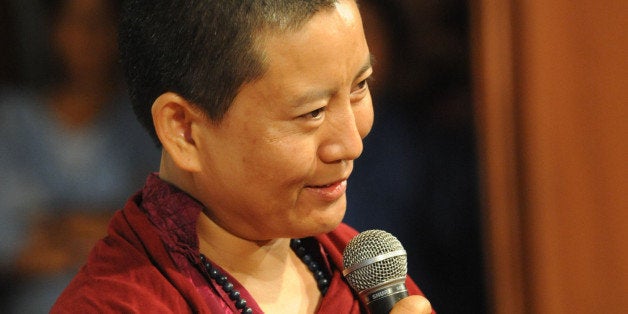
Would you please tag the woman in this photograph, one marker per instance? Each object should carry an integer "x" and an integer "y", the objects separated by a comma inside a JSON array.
[{"x": 260, "y": 109}]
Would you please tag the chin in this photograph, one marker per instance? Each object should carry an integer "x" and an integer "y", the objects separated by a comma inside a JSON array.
[
  {"x": 325, "y": 224},
  {"x": 319, "y": 221},
  {"x": 334, "y": 216},
  {"x": 320, "y": 229}
]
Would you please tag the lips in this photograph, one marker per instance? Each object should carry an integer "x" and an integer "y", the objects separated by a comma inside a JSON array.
[
  {"x": 323, "y": 186},
  {"x": 329, "y": 192}
]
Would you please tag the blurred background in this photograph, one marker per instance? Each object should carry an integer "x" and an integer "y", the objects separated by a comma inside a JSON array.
[
  {"x": 71, "y": 151},
  {"x": 498, "y": 155}
]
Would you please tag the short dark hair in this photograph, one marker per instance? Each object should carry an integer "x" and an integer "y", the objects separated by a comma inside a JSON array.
[{"x": 203, "y": 50}]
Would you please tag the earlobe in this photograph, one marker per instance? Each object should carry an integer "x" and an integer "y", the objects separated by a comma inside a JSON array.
[{"x": 174, "y": 118}]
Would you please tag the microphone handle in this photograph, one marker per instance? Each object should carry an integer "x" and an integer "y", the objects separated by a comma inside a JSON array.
[{"x": 383, "y": 299}]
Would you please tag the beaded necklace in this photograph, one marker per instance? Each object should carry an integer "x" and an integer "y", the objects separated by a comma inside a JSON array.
[{"x": 297, "y": 245}]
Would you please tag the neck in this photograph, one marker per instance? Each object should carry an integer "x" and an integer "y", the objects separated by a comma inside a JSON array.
[
  {"x": 242, "y": 257},
  {"x": 234, "y": 253},
  {"x": 269, "y": 270}
]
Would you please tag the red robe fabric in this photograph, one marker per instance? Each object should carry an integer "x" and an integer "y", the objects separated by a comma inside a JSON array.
[{"x": 149, "y": 263}]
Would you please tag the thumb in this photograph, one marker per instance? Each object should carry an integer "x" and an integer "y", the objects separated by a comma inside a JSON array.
[{"x": 414, "y": 304}]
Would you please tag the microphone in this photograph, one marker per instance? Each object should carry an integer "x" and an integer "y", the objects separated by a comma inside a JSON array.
[{"x": 375, "y": 265}]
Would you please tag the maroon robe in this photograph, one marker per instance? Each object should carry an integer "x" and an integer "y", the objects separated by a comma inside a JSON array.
[{"x": 149, "y": 263}]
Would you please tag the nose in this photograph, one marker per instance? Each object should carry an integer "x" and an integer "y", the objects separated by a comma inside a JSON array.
[{"x": 343, "y": 134}]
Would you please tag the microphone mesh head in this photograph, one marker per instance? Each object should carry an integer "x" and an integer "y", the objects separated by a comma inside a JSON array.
[{"x": 367, "y": 245}]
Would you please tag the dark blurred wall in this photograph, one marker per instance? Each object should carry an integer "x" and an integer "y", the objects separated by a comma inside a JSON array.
[
  {"x": 417, "y": 177},
  {"x": 24, "y": 51},
  {"x": 8, "y": 53}
]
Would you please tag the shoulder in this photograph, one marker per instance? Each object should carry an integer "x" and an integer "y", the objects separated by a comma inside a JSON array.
[
  {"x": 134, "y": 292},
  {"x": 130, "y": 288},
  {"x": 120, "y": 277}
]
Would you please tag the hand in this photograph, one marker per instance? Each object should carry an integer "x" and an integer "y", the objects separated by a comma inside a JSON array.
[{"x": 414, "y": 304}]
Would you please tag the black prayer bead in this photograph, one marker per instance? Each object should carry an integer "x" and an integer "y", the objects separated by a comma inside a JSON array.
[
  {"x": 222, "y": 280},
  {"x": 240, "y": 304},
  {"x": 300, "y": 251},
  {"x": 234, "y": 295},
  {"x": 313, "y": 266},
  {"x": 323, "y": 282},
  {"x": 227, "y": 286},
  {"x": 307, "y": 259},
  {"x": 319, "y": 274},
  {"x": 214, "y": 273}
]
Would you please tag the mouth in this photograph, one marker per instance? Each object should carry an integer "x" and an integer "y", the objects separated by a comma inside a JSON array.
[
  {"x": 322, "y": 186},
  {"x": 329, "y": 192},
  {"x": 342, "y": 180}
]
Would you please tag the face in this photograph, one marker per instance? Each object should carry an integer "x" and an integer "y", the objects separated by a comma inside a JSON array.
[{"x": 277, "y": 164}]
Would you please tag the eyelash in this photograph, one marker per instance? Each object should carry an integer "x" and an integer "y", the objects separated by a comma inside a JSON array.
[
  {"x": 361, "y": 89},
  {"x": 315, "y": 114},
  {"x": 362, "y": 85}
]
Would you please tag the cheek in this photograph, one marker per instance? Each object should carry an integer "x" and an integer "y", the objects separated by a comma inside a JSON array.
[{"x": 279, "y": 161}]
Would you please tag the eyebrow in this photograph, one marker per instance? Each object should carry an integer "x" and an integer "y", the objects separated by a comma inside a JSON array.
[
  {"x": 366, "y": 66},
  {"x": 318, "y": 94}
]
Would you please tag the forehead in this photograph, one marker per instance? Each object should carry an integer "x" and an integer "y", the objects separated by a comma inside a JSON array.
[
  {"x": 343, "y": 10},
  {"x": 331, "y": 43}
]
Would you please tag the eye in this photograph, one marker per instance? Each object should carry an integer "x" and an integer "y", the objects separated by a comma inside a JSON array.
[
  {"x": 360, "y": 90},
  {"x": 315, "y": 114},
  {"x": 362, "y": 84}
]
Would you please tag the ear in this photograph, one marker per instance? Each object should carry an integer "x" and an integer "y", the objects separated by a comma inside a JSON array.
[{"x": 175, "y": 120}]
